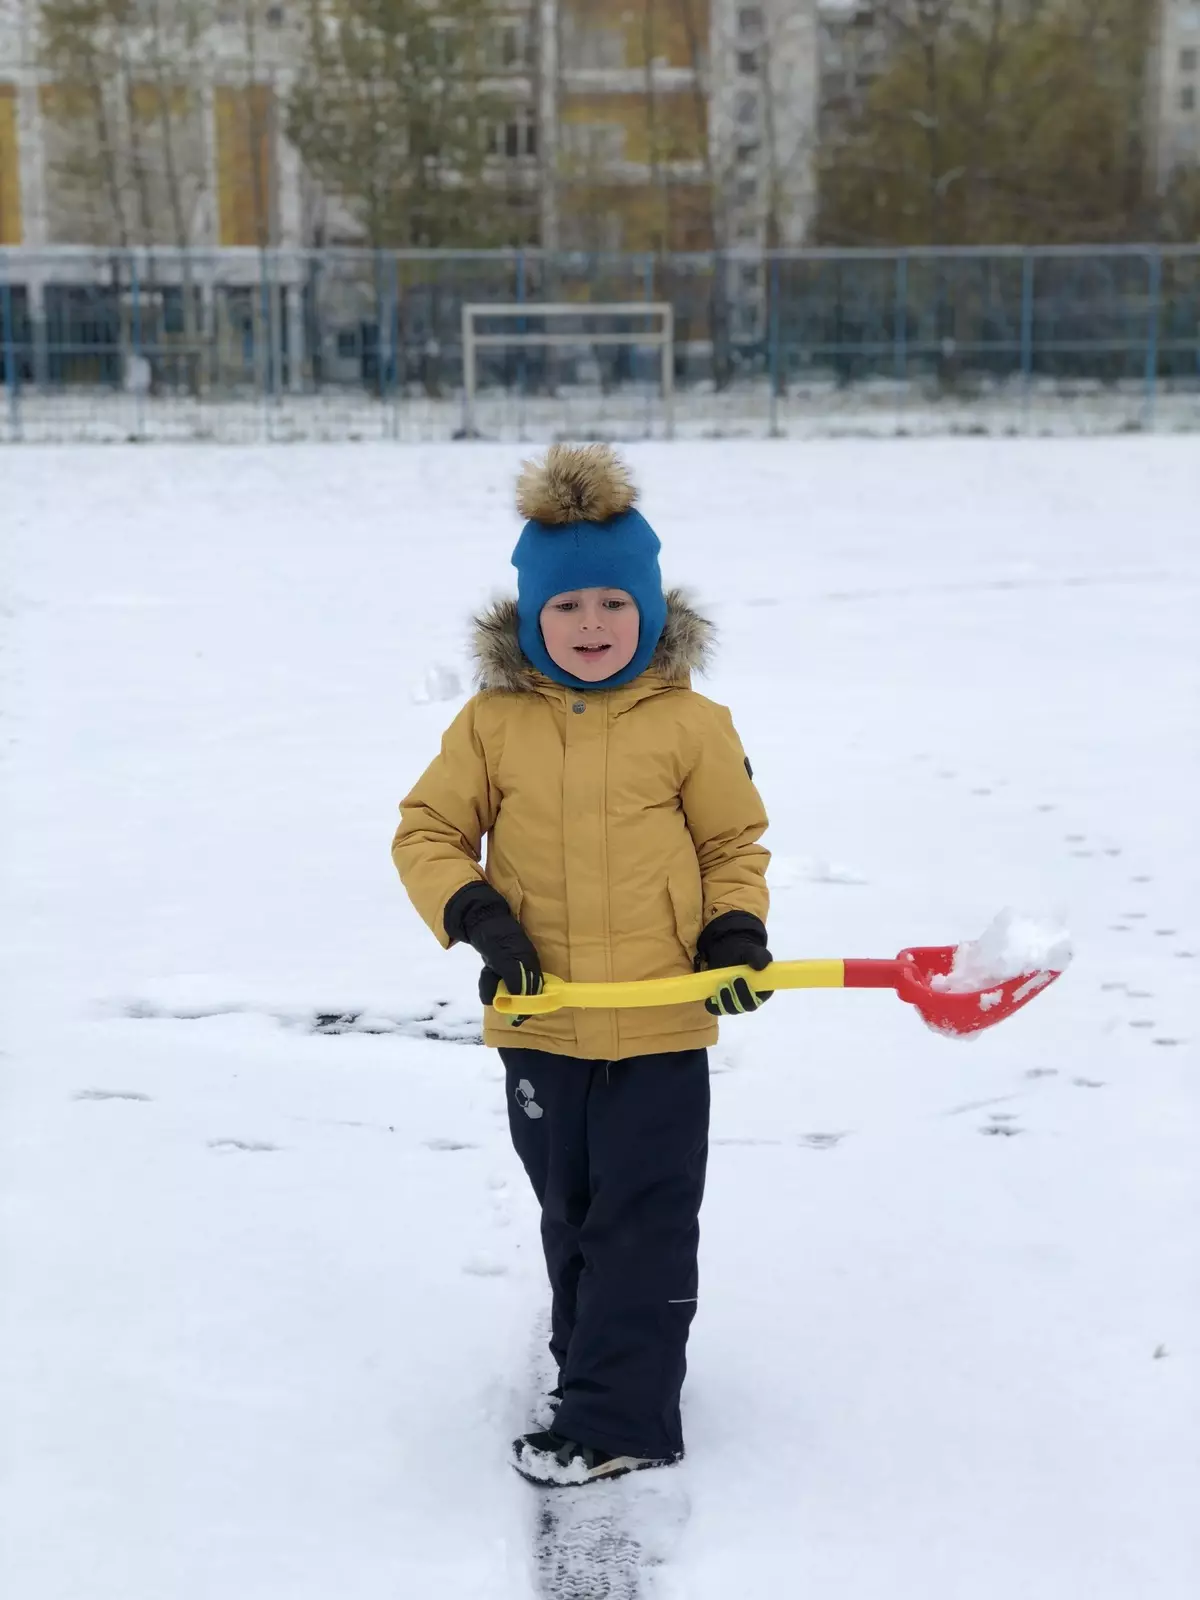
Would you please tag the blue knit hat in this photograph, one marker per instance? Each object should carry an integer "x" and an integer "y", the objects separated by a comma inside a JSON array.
[{"x": 583, "y": 533}]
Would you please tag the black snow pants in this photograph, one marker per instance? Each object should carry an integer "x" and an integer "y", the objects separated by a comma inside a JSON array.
[{"x": 616, "y": 1153}]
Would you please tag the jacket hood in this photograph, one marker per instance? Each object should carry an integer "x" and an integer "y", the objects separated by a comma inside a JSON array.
[{"x": 686, "y": 646}]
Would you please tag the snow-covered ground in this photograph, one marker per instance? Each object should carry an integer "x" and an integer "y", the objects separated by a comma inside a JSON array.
[{"x": 270, "y": 1282}]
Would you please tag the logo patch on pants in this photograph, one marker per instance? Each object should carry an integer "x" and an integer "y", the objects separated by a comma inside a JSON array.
[{"x": 525, "y": 1092}]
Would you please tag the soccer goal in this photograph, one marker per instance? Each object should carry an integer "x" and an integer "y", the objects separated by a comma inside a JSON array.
[{"x": 559, "y": 327}]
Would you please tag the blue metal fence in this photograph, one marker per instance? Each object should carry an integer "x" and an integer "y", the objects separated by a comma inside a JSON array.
[{"x": 245, "y": 344}]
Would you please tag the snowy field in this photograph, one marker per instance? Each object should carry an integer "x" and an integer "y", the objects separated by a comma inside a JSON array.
[{"x": 270, "y": 1282}]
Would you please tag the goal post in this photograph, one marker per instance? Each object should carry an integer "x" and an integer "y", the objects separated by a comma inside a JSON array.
[{"x": 659, "y": 334}]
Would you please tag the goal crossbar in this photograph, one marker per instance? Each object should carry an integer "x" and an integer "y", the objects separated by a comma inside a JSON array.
[{"x": 661, "y": 337}]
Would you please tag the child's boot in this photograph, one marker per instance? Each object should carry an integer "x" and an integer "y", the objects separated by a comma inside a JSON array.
[{"x": 553, "y": 1462}]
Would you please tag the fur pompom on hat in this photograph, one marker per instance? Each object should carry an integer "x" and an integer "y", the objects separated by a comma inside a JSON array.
[
  {"x": 575, "y": 483},
  {"x": 583, "y": 532}
]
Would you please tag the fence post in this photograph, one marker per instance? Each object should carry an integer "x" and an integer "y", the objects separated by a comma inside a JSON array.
[
  {"x": 648, "y": 297},
  {"x": 265, "y": 336},
  {"x": 1154, "y": 296},
  {"x": 395, "y": 340},
  {"x": 135, "y": 292},
  {"x": 10, "y": 351},
  {"x": 773, "y": 351},
  {"x": 276, "y": 327},
  {"x": 1027, "y": 331},
  {"x": 383, "y": 326},
  {"x": 900, "y": 329},
  {"x": 468, "y": 361},
  {"x": 522, "y": 327}
]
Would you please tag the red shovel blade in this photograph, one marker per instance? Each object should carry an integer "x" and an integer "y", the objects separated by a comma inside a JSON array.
[{"x": 962, "y": 1014}]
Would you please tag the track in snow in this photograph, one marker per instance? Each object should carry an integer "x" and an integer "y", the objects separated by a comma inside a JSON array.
[{"x": 604, "y": 1541}]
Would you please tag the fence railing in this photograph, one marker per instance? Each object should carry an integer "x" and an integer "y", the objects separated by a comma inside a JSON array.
[{"x": 247, "y": 344}]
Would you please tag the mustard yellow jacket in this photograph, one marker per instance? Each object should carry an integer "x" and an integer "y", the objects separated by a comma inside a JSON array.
[{"x": 618, "y": 823}]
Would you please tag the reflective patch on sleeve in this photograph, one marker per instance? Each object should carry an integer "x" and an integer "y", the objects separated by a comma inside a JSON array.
[{"x": 749, "y": 768}]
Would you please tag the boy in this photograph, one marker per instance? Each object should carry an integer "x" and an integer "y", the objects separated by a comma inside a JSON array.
[{"x": 622, "y": 826}]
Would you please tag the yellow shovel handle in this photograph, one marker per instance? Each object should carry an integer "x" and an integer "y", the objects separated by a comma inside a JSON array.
[{"x": 559, "y": 994}]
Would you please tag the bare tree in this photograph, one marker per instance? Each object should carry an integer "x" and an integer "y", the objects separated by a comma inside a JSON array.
[
  {"x": 390, "y": 113},
  {"x": 994, "y": 121},
  {"x": 124, "y": 109},
  {"x": 125, "y": 169}
]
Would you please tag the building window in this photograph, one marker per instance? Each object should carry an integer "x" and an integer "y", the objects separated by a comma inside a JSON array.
[
  {"x": 1187, "y": 60},
  {"x": 747, "y": 108},
  {"x": 747, "y": 61},
  {"x": 591, "y": 43},
  {"x": 750, "y": 19},
  {"x": 747, "y": 190},
  {"x": 593, "y": 145},
  {"x": 513, "y": 139},
  {"x": 274, "y": 16},
  {"x": 1187, "y": 98},
  {"x": 517, "y": 45}
]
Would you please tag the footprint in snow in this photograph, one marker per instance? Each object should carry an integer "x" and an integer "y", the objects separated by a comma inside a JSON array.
[
  {"x": 1004, "y": 1130},
  {"x": 111, "y": 1094},
  {"x": 820, "y": 1141},
  {"x": 449, "y": 1144},
  {"x": 485, "y": 1267},
  {"x": 1042, "y": 1072},
  {"x": 252, "y": 1145},
  {"x": 1088, "y": 1083},
  {"x": 747, "y": 1141},
  {"x": 978, "y": 1105}
]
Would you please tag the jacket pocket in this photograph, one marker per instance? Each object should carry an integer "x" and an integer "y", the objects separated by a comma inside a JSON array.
[
  {"x": 683, "y": 885},
  {"x": 511, "y": 890}
]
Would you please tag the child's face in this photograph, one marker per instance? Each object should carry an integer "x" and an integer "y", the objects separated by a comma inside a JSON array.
[{"x": 591, "y": 633}]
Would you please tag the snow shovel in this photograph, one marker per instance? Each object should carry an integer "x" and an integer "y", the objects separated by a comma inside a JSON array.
[{"x": 919, "y": 976}]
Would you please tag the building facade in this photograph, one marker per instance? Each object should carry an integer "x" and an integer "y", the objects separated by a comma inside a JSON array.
[
  {"x": 1174, "y": 90},
  {"x": 631, "y": 125},
  {"x": 170, "y": 137}
]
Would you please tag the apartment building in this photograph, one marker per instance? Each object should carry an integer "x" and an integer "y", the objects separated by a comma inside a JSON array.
[
  {"x": 1174, "y": 89},
  {"x": 630, "y": 125},
  {"x": 181, "y": 146},
  {"x": 855, "y": 44},
  {"x": 683, "y": 124}
]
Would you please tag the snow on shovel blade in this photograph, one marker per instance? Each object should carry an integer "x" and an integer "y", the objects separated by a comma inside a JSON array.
[{"x": 962, "y": 1013}]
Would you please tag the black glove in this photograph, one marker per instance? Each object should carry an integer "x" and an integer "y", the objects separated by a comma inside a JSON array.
[
  {"x": 735, "y": 939},
  {"x": 479, "y": 916}
]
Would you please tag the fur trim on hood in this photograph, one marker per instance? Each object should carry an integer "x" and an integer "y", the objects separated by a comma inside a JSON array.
[
  {"x": 574, "y": 483},
  {"x": 686, "y": 646}
]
